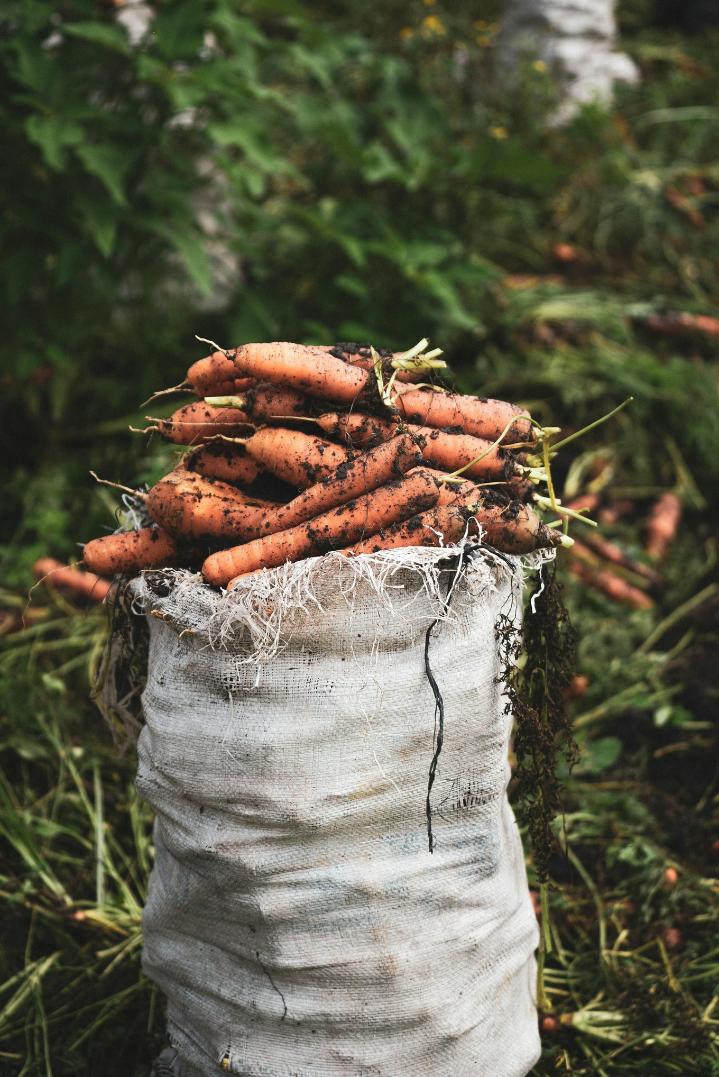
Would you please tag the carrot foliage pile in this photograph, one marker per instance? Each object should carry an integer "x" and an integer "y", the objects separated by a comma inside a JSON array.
[{"x": 289, "y": 451}]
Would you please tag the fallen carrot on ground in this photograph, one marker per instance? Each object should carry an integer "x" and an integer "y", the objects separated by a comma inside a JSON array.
[
  {"x": 663, "y": 524},
  {"x": 70, "y": 578},
  {"x": 611, "y": 585},
  {"x": 609, "y": 551}
]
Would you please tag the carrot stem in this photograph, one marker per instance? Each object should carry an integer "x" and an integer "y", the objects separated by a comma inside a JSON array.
[
  {"x": 226, "y": 401},
  {"x": 545, "y": 503},
  {"x": 591, "y": 426}
]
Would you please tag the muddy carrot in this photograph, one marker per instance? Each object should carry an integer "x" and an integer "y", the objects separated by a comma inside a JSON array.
[
  {"x": 264, "y": 401},
  {"x": 131, "y": 551},
  {"x": 478, "y": 458},
  {"x": 352, "y": 479},
  {"x": 506, "y": 525},
  {"x": 85, "y": 584},
  {"x": 331, "y": 530},
  {"x": 307, "y": 369},
  {"x": 187, "y": 504},
  {"x": 300, "y": 459},
  {"x": 221, "y": 460},
  {"x": 197, "y": 422},
  {"x": 478, "y": 416}
]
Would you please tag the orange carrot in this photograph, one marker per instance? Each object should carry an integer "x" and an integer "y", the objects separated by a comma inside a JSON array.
[
  {"x": 308, "y": 369},
  {"x": 220, "y": 460},
  {"x": 444, "y": 525},
  {"x": 611, "y": 585},
  {"x": 449, "y": 451},
  {"x": 85, "y": 584},
  {"x": 507, "y": 525},
  {"x": 663, "y": 524},
  {"x": 479, "y": 416},
  {"x": 265, "y": 401},
  {"x": 355, "y": 428},
  {"x": 131, "y": 551},
  {"x": 300, "y": 459},
  {"x": 609, "y": 551},
  {"x": 198, "y": 421},
  {"x": 187, "y": 504},
  {"x": 207, "y": 374},
  {"x": 352, "y": 479},
  {"x": 450, "y": 491},
  {"x": 331, "y": 530}
]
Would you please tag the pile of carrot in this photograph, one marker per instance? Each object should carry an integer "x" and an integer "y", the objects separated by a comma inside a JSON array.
[{"x": 289, "y": 451}]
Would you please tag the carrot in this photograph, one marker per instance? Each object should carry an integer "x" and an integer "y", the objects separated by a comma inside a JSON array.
[
  {"x": 577, "y": 687},
  {"x": 220, "y": 460},
  {"x": 351, "y": 479},
  {"x": 507, "y": 525},
  {"x": 450, "y": 491},
  {"x": 85, "y": 584},
  {"x": 611, "y": 585},
  {"x": 444, "y": 525},
  {"x": 198, "y": 421},
  {"x": 187, "y": 504},
  {"x": 265, "y": 401},
  {"x": 449, "y": 451},
  {"x": 308, "y": 369},
  {"x": 207, "y": 374},
  {"x": 662, "y": 525},
  {"x": 478, "y": 416},
  {"x": 331, "y": 530},
  {"x": 131, "y": 551},
  {"x": 609, "y": 551},
  {"x": 300, "y": 459},
  {"x": 355, "y": 428}
]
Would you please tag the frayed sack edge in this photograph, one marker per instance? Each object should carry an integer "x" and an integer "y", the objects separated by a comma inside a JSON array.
[{"x": 257, "y": 618}]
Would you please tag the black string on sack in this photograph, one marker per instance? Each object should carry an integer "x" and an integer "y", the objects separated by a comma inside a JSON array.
[{"x": 461, "y": 560}]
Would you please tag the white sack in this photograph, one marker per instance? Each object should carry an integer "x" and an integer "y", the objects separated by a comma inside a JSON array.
[{"x": 296, "y": 920}]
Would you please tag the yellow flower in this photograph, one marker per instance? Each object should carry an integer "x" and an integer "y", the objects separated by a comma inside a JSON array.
[
  {"x": 406, "y": 33},
  {"x": 499, "y": 133},
  {"x": 432, "y": 25},
  {"x": 429, "y": 3},
  {"x": 540, "y": 66},
  {"x": 483, "y": 41}
]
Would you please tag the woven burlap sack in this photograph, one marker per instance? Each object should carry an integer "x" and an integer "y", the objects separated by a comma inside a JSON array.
[{"x": 309, "y": 912}]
